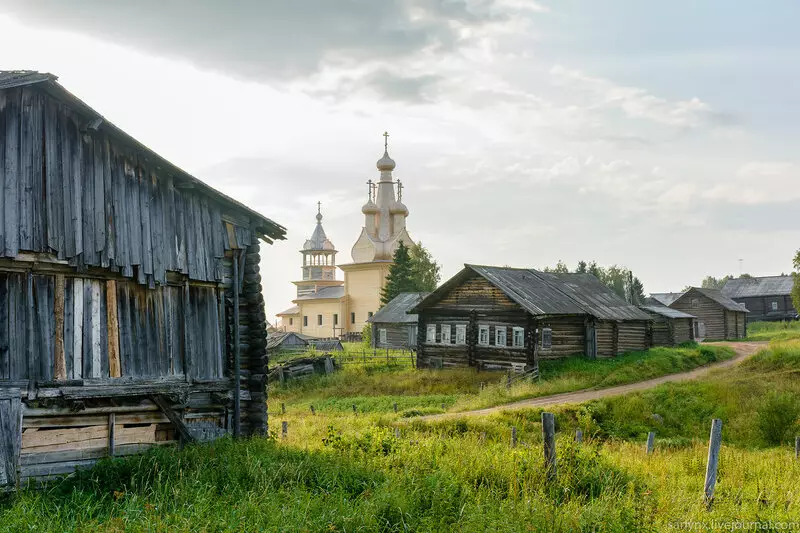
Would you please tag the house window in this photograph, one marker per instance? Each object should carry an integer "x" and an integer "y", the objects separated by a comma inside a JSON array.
[
  {"x": 518, "y": 337},
  {"x": 382, "y": 335},
  {"x": 547, "y": 338},
  {"x": 695, "y": 303},
  {"x": 500, "y": 336},
  {"x": 483, "y": 335},
  {"x": 774, "y": 306},
  {"x": 319, "y": 320},
  {"x": 305, "y": 320},
  {"x": 430, "y": 334},
  {"x": 461, "y": 334},
  {"x": 445, "y": 333},
  {"x": 291, "y": 321},
  {"x": 352, "y": 318},
  {"x": 335, "y": 319}
]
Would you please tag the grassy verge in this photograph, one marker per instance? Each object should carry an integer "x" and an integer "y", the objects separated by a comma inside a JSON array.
[{"x": 773, "y": 331}]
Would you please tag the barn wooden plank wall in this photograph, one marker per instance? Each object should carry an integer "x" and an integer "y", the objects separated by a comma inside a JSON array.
[{"x": 71, "y": 192}]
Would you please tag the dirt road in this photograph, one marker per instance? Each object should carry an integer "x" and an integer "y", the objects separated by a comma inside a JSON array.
[{"x": 743, "y": 351}]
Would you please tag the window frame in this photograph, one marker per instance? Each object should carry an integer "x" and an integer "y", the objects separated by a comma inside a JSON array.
[
  {"x": 695, "y": 303},
  {"x": 352, "y": 317},
  {"x": 319, "y": 320},
  {"x": 335, "y": 319},
  {"x": 497, "y": 331},
  {"x": 430, "y": 339},
  {"x": 547, "y": 332},
  {"x": 291, "y": 321},
  {"x": 483, "y": 328},
  {"x": 461, "y": 334},
  {"x": 305, "y": 321},
  {"x": 446, "y": 339},
  {"x": 774, "y": 305},
  {"x": 382, "y": 335},
  {"x": 514, "y": 331}
]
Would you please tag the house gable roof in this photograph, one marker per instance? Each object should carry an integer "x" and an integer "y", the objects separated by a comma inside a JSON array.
[
  {"x": 395, "y": 312},
  {"x": 716, "y": 296},
  {"x": 665, "y": 311},
  {"x": 755, "y": 287}
]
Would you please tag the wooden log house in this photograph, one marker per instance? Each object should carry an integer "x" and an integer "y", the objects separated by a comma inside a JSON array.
[
  {"x": 509, "y": 318},
  {"x": 131, "y": 312},
  {"x": 717, "y": 316},
  {"x": 668, "y": 327},
  {"x": 767, "y": 298},
  {"x": 392, "y": 326}
]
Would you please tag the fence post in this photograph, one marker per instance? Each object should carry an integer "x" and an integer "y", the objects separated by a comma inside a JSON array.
[
  {"x": 513, "y": 437},
  {"x": 797, "y": 447},
  {"x": 651, "y": 440},
  {"x": 283, "y": 408},
  {"x": 312, "y": 411},
  {"x": 284, "y": 429},
  {"x": 508, "y": 380},
  {"x": 397, "y": 433},
  {"x": 354, "y": 409},
  {"x": 395, "y": 407},
  {"x": 714, "y": 441},
  {"x": 549, "y": 438},
  {"x": 482, "y": 385},
  {"x": 444, "y": 408},
  {"x": 578, "y": 436}
]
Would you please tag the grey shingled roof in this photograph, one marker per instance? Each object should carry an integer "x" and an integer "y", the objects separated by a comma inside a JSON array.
[
  {"x": 754, "y": 287},
  {"x": 265, "y": 227},
  {"x": 547, "y": 294},
  {"x": 718, "y": 297},
  {"x": 666, "y": 298},
  {"x": 395, "y": 311},
  {"x": 293, "y": 310},
  {"x": 668, "y": 312},
  {"x": 336, "y": 291}
]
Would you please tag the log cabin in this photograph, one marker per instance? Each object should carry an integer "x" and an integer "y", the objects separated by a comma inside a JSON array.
[
  {"x": 668, "y": 327},
  {"x": 508, "y": 318},
  {"x": 768, "y": 298},
  {"x": 717, "y": 316},
  {"x": 392, "y": 326},
  {"x": 131, "y": 312}
]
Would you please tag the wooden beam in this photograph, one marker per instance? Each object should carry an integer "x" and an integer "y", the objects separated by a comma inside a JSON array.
[
  {"x": 174, "y": 417},
  {"x": 60, "y": 362},
  {"x": 114, "y": 366},
  {"x": 237, "y": 374}
]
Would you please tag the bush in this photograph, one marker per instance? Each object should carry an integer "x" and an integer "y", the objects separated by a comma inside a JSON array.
[
  {"x": 366, "y": 336},
  {"x": 777, "y": 417}
]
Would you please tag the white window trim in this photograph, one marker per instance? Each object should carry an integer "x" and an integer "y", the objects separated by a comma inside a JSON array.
[
  {"x": 461, "y": 333},
  {"x": 382, "y": 335},
  {"x": 498, "y": 330},
  {"x": 430, "y": 334},
  {"x": 774, "y": 305},
  {"x": 445, "y": 333},
  {"x": 481, "y": 330},
  {"x": 518, "y": 332}
]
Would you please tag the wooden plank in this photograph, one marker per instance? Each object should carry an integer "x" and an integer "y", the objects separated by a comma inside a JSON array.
[
  {"x": 114, "y": 368},
  {"x": 174, "y": 418},
  {"x": 27, "y": 136},
  {"x": 77, "y": 321},
  {"x": 80, "y": 420},
  {"x": 2, "y": 173},
  {"x": 96, "y": 347},
  {"x": 112, "y": 420},
  {"x": 237, "y": 375},
  {"x": 12, "y": 173},
  {"x": 60, "y": 363}
]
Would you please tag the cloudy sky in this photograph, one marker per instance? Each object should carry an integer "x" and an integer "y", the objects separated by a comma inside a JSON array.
[{"x": 658, "y": 135}]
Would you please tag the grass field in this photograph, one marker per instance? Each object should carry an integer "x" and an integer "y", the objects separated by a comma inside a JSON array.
[
  {"x": 773, "y": 331},
  {"x": 342, "y": 472}
]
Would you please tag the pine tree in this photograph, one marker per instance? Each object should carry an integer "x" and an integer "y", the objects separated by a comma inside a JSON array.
[{"x": 400, "y": 275}]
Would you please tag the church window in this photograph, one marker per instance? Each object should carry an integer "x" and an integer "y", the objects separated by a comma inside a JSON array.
[
  {"x": 430, "y": 334},
  {"x": 319, "y": 320},
  {"x": 445, "y": 333},
  {"x": 461, "y": 334},
  {"x": 382, "y": 335},
  {"x": 335, "y": 319},
  {"x": 483, "y": 335},
  {"x": 500, "y": 336},
  {"x": 518, "y": 338},
  {"x": 305, "y": 320},
  {"x": 352, "y": 318},
  {"x": 291, "y": 321}
]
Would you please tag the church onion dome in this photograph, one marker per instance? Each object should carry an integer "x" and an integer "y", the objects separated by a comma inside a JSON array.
[
  {"x": 370, "y": 208},
  {"x": 386, "y": 162},
  {"x": 398, "y": 208}
]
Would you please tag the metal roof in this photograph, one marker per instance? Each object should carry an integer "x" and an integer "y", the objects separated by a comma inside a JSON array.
[
  {"x": 668, "y": 312},
  {"x": 293, "y": 310},
  {"x": 717, "y": 296},
  {"x": 264, "y": 227},
  {"x": 335, "y": 291},
  {"x": 275, "y": 340},
  {"x": 547, "y": 294},
  {"x": 666, "y": 298},
  {"x": 395, "y": 312},
  {"x": 763, "y": 286}
]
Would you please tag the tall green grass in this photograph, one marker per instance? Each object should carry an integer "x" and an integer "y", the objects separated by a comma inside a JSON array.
[{"x": 777, "y": 331}]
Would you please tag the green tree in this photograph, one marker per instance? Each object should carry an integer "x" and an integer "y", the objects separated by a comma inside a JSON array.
[
  {"x": 617, "y": 278},
  {"x": 796, "y": 286},
  {"x": 425, "y": 272},
  {"x": 710, "y": 282},
  {"x": 560, "y": 268},
  {"x": 400, "y": 275}
]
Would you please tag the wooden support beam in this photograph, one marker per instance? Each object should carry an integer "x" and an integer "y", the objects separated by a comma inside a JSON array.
[
  {"x": 59, "y": 361},
  {"x": 237, "y": 373},
  {"x": 112, "y": 421},
  {"x": 114, "y": 366},
  {"x": 163, "y": 404}
]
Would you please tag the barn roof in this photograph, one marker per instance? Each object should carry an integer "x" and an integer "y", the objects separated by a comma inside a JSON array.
[
  {"x": 545, "y": 293},
  {"x": 264, "y": 227},
  {"x": 763, "y": 286},
  {"x": 717, "y": 296},
  {"x": 275, "y": 340},
  {"x": 665, "y": 298},
  {"x": 335, "y": 291},
  {"x": 396, "y": 310},
  {"x": 668, "y": 312},
  {"x": 328, "y": 345}
]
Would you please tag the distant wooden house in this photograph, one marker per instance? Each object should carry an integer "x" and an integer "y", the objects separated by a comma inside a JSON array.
[
  {"x": 131, "y": 310},
  {"x": 328, "y": 345},
  {"x": 665, "y": 298},
  {"x": 499, "y": 318},
  {"x": 393, "y": 326},
  {"x": 767, "y": 298},
  {"x": 717, "y": 316},
  {"x": 287, "y": 340},
  {"x": 669, "y": 327}
]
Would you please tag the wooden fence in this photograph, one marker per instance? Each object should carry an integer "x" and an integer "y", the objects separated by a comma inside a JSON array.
[{"x": 377, "y": 357}]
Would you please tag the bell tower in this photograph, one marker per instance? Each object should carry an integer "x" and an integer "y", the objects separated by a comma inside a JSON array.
[{"x": 319, "y": 261}]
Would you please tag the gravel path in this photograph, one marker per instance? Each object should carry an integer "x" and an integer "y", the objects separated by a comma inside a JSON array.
[{"x": 743, "y": 351}]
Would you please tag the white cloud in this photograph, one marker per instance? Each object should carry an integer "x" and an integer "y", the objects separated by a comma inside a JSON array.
[{"x": 759, "y": 182}]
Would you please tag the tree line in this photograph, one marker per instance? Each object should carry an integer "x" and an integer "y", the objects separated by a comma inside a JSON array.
[{"x": 617, "y": 278}]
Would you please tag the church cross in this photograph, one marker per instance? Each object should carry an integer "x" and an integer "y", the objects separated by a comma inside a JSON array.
[
  {"x": 319, "y": 208},
  {"x": 386, "y": 141},
  {"x": 369, "y": 189},
  {"x": 399, "y": 191}
]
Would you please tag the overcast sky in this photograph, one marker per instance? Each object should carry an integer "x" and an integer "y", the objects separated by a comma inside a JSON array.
[{"x": 658, "y": 135}]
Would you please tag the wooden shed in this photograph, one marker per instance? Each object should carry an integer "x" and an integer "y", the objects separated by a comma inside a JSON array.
[
  {"x": 717, "y": 316},
  {"x": 767, "y": 298},
  {"x": 131, "y": 312},
  {"x": 393, "y": 326},
  {"x": 669, "y": 327},
  {"x": 501, "y": 318}
]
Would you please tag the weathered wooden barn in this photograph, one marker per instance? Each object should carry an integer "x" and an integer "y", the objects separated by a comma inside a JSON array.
[
  {"x": 717, "y": 316},
  {"x": 131, "y": 312},
  {"x": 501, "y": 318},
  {"x": 668, "y": 327},
  {"x": 768, "y": 298},
  {"x": 393, "y": 326}
]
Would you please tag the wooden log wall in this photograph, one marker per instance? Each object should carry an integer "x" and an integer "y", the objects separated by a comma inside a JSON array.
[
  {"x": 615, "y": 338},
  {"x": 720, "y": 323},
  {"x": 396, "y": 334}
]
